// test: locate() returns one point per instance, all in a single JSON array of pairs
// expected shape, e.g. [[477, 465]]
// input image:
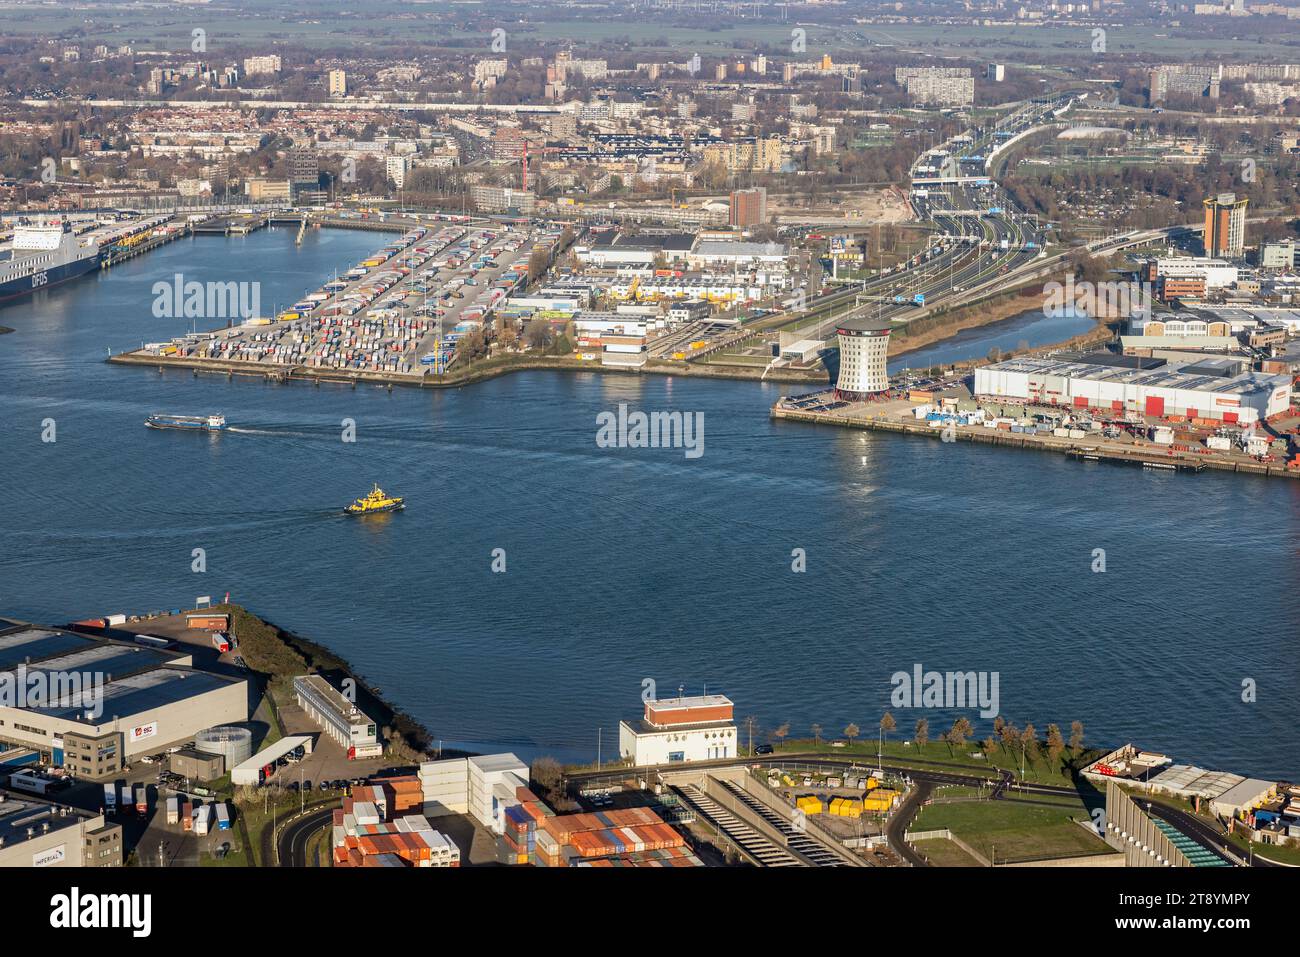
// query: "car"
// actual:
[[764, 749], [147, 758], [293, 786], [306, 785]]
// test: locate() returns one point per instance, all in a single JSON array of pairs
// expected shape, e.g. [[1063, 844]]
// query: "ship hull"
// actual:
[[46, 278], [185, 426], [376, 511]]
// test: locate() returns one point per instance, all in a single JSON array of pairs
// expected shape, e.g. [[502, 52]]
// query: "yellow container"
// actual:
[[872, 783], [700, 344], [679, 355]]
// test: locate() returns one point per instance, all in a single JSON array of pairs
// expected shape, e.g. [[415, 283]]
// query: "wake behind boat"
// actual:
[[202, 423]]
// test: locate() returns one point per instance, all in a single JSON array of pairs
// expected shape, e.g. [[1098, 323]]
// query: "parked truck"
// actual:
[[141, 800], [110, 798], [173, 810], [201, 819], [128, 800], [187, 816], [223, 817], [220, 642]]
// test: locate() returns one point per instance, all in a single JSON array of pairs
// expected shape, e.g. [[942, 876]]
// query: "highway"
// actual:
[[974, 218]]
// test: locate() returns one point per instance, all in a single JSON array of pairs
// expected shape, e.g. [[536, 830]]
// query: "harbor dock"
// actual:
[[390, 318], [895, 415]]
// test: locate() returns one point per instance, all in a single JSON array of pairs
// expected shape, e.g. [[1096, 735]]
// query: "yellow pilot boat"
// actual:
[[377, 501]]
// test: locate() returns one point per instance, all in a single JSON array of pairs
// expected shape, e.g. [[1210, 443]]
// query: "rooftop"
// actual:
[[18, 816], [1168, 376], [689, 702]]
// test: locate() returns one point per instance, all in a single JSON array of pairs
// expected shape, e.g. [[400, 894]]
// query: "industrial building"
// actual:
[[864, 348], [110, 701], [341, 719], [1155, 387], [698, 728], [37, 834]]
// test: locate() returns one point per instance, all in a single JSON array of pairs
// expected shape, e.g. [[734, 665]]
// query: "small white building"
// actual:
[[698, 728]]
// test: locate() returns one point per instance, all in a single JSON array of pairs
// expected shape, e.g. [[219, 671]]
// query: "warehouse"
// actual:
[[697, 728], [1155, 387], [104, 703], [342, 720], [36, 834]]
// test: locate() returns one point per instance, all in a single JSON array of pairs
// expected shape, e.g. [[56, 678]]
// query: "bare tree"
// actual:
[[851, 732], [922, 734]]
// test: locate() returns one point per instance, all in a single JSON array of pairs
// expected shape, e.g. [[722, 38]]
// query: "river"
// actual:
[[627, 564]]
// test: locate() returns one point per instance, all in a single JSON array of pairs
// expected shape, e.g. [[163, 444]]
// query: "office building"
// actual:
[[338, 83], [748, 207], [304, 168], [1225, 225], [341, 719], [864, 345]]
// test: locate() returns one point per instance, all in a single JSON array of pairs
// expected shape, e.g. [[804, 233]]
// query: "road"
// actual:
[[291, 841]]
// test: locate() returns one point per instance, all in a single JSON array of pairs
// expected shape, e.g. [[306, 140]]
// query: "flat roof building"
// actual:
[[1170, 389], [694, 728], [340, 718], [36, 834], [92, 705]]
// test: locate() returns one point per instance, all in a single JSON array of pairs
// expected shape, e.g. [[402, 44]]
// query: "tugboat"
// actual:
[[377, 501], [205, 423]]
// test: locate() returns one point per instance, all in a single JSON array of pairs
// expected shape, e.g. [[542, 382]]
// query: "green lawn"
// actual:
[[1013, 830], [941, 852]]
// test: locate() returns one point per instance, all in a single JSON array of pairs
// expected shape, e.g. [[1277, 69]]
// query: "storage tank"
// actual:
[[234, 743]]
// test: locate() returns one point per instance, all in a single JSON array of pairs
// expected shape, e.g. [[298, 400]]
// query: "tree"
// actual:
[[1055, 743], [851, 732], [961, 730], [1076, 737], [1029, 742], [887, 723], [537, 334], [817, 734], [922, 734], [989, 744], [547, 776], [781, 732]]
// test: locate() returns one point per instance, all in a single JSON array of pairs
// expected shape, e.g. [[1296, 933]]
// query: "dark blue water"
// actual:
[[1029, 330], [629, 564]]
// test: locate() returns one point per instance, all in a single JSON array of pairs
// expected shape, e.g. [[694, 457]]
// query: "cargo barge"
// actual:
[[202, 423], [1093, 455]]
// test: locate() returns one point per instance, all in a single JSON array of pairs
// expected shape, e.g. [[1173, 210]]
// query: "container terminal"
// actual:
[[395, 314]]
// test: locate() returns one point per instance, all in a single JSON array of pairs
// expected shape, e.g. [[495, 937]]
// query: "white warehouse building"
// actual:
[[1205, 390]]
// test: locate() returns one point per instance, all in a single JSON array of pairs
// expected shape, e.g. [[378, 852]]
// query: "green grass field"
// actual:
[[1013, 830], [941, 852]]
